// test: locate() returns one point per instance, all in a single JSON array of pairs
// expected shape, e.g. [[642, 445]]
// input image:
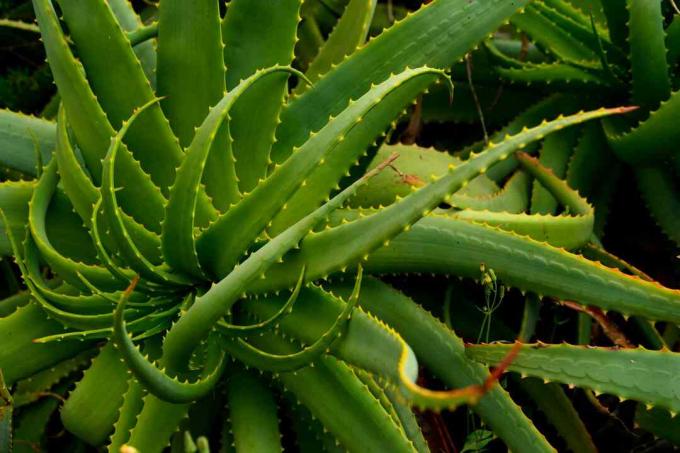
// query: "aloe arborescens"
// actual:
[[186, 181]]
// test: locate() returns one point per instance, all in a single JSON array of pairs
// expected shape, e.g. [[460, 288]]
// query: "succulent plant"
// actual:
[[628, 54], [194, 228]]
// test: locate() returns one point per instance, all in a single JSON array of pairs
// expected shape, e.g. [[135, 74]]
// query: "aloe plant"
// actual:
[[629, 54], [194, 214]]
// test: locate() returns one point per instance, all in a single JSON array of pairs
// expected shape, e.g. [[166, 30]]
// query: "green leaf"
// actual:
[[338, 247], [617, 21], [64, 266], [6, 416], [122, 87], [179, 247], [132, 23], [199, 319], [659, 189], [14, 198], [127, 415], [554, 154], [225, 241], [253, 414], [558, 408], [442, 352], [659, 422], [20, 357], [257, 35], [349, 34], [414, 167], [91, 408], [439, 34], [651, 83], [165, 387], [477, 441], [549, 35], [191, 82], [638, 374], [90, 124], [351, 413], [22, 137]]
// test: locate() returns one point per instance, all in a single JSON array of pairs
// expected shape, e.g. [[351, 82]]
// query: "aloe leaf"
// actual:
[[62, 265], [651, 83], [513, 101], [554, 154], [559, 75], [63, 226], [338, 247], [20, 357], [659, 189], [252, 356], [191, 82], [217, 301], [390, 359], [271, 322], [128, 249], [89, 120], [564, 194], [91, 408], [90, 124], [448, 362], [637, 374], [69, 315], [522, 263], [570, 230], [155, 424], [21, 137], [249, 46], [253, 414], [513, 197], [650, 140], [6, 416], [579, 25], [236, 230], [617, 21], [549, 35], [408, 420], [439, 34], [673, 42], [379, 394], [77, 184], [127, 415], [350, 147], [556, 405], [83, 194], [310, 436], [349, 33], [155, 380], [123, 87], [179, 248], [659, 422], [14, 198], [131, 23], [549, 107], [314, 303], [353, 415], [415, 167], [31, 424], [10, 304], [593, 157], [446, 246]]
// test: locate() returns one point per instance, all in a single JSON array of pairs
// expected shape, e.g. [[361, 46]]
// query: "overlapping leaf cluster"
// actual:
[[189, 217]]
